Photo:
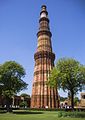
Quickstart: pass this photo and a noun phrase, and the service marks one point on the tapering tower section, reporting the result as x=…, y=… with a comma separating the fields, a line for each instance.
x=42, y=95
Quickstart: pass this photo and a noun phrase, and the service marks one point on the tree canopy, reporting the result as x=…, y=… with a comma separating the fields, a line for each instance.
x=25, y=95
x=11, y=76
x=69, y=75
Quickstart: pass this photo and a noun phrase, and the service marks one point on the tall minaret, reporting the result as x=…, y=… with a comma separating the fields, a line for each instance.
x=42, y=95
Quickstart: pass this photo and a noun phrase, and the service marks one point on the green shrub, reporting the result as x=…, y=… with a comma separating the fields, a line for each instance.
x=73, y=114
x=2, y=111
x=23, y=104
x=26, y=112
x=60, y=114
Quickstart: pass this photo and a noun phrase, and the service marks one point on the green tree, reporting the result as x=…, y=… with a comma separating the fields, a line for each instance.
x=62, y=98
x=11, y=74
x=25, y=95
x=23, y=104
x=1, y=86
x=76, y=100
x=69, y=75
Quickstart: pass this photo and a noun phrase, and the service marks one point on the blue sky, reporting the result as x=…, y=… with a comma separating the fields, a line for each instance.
x=19, y=25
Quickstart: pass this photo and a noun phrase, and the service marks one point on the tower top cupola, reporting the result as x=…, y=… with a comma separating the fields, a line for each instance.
x=43, y=12
x=44, y=22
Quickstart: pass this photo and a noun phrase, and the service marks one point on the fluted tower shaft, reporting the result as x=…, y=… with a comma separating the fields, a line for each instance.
x=42, y=95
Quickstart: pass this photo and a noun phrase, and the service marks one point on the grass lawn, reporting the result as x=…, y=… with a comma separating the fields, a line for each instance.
x=45, y=115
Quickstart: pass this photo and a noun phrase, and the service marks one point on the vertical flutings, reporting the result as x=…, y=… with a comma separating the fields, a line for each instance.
x=42, y=95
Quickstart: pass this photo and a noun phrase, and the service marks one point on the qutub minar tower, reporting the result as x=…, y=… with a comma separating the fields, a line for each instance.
x=42, y=95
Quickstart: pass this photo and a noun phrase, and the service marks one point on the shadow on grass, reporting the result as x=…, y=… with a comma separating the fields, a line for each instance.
x=2, y=112
x=27, y=112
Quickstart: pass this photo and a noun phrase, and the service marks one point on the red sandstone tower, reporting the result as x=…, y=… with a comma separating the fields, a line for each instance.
x=42, y=95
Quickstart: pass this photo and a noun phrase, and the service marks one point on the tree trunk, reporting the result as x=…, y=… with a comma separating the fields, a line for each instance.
x=57, y=99
x=72, y=100
x=8, y=103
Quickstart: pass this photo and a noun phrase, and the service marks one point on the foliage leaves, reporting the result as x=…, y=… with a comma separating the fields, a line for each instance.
x=69, y=75
x=25, y=95
x=11, y=74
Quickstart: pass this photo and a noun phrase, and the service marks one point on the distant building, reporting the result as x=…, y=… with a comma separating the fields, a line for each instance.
x=66, y=103
x=79, y=104
x=82, y=100
x=15, y=101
